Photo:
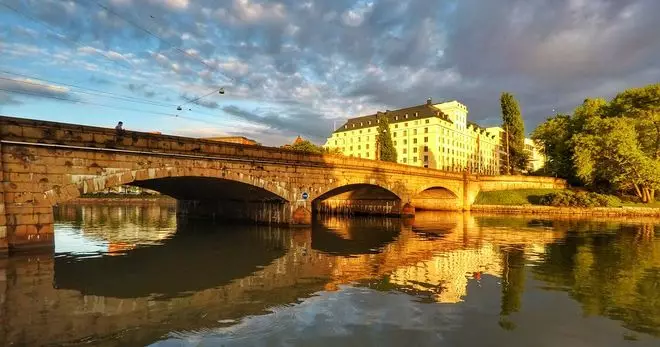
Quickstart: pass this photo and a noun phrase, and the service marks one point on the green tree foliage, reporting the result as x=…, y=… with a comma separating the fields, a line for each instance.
x=512, y=121
x=608, y=146
x=554, y=136
x=308, y=147
x=386, y=149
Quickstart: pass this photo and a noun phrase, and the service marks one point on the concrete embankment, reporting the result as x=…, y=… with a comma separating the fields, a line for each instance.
x=577, y=211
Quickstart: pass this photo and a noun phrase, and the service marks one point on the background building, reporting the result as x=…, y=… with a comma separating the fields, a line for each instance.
x=431, y=135
x=536, y=157
x=234, y=139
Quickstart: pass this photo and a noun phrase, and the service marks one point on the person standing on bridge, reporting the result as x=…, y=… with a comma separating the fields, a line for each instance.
x=120, y=126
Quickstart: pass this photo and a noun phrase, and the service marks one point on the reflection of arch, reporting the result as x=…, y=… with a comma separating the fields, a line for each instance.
x=355, y=235
x=180, y=265
x=436, y=198
x=167, y=178
x=358, y=199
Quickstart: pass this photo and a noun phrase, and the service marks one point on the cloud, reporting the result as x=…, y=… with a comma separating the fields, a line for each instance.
x=311, y=62
x=24, y=87
x=295, y=121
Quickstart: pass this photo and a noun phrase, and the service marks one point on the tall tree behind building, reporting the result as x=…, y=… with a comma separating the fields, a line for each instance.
x=386, y=150
x=513, y=123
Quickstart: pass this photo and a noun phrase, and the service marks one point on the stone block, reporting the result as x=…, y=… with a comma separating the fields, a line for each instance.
x=18, y=230
x=45, y=218
x=26, y=219
x=46, y=229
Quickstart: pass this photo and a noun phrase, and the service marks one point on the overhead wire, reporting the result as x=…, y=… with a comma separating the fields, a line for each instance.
x=88, y=91
x=107, y=106
x=58, y=34
x=162, y=40
x=109, y=94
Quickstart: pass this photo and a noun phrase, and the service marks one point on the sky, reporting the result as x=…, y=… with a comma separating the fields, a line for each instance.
x=302, y=67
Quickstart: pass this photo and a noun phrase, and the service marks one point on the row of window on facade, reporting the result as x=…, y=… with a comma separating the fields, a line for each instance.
x=396, y=118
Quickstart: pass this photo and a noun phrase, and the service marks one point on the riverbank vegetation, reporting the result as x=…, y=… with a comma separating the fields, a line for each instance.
x=610, y=147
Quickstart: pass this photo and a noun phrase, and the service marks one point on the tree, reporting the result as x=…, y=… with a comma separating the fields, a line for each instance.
x=308, y=147
x=643, y=106
x=515, y=131
x=385, y=146
x=608, y=151
x=554, y=136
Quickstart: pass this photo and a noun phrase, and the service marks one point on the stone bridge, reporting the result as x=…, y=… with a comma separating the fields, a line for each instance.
x=47, y=163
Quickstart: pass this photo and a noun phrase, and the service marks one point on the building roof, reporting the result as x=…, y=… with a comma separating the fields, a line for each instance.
x=396, y=116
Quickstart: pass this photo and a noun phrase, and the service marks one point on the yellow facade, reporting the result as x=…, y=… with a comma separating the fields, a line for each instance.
x=430, y=135
x=536, y=157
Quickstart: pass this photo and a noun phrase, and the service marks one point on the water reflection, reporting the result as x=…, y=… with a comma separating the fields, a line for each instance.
x=127, y=276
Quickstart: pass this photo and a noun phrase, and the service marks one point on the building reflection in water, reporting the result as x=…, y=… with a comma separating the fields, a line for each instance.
x=196, y=277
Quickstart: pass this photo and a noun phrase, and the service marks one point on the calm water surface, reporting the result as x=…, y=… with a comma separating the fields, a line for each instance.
x=129, y=276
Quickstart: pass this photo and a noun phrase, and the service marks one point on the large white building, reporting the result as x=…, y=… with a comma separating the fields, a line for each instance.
x=430, y=135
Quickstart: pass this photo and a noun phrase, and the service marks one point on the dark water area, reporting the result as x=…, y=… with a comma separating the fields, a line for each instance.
x=130, y=276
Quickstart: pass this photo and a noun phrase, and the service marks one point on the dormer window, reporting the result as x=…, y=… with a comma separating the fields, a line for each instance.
x=416, y=114
x=369, y=122
x=396, y=117
x=406, y=116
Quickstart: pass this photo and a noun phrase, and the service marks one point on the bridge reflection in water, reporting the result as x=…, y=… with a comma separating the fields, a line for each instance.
x=130, y=276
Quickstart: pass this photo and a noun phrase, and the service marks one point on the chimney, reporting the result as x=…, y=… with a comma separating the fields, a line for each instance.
x=429, y=101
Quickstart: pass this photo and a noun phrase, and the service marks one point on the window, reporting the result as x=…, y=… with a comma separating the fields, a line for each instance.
x=414, y=140
x=396, y=117
x=405, y=124
x=366, y=155
x=414, y=159
x=427, y=121
x=369, y=130
x=359, y=147
x=405, y=151
x=426, y=139
x=369, y=122
x=405, y=160
x=426, y=165
x=359, y=139
x=405, y=142
x=335, y=142
x=367, y=146
x=394, y=134
x=426, y=158
x=426, y=130
x=396, y=126
x=416, y=114
x=414, y=149
x=415, y=132
x=395, y=143
x=360, y=131
x=405, y=133
x=351, y=148
x=426, y=148
x=406, y=116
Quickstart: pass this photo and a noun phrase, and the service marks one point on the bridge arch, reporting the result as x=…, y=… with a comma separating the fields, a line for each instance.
x=176, y=182
x=358, y=198
x=437, y=198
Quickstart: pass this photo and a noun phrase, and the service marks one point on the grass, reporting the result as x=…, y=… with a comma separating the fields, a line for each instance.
x=655, y=204
x=513, y=197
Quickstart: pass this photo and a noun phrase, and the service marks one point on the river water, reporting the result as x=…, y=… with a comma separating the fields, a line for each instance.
x=129, y=276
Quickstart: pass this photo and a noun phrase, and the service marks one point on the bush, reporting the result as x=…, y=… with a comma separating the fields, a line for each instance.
x=569, y=198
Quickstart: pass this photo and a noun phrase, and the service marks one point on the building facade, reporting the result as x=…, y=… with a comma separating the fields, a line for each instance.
x=430, y=135
x=536, y=156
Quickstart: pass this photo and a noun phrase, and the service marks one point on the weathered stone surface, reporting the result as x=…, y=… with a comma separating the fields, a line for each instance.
x=258, y=183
